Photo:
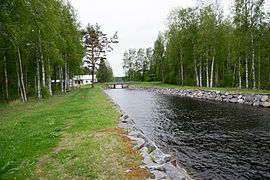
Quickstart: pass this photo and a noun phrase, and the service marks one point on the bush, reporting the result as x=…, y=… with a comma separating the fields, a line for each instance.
x=45, y=92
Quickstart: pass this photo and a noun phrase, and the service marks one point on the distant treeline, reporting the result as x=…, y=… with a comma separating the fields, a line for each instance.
x=40, y=40
x=202, y=47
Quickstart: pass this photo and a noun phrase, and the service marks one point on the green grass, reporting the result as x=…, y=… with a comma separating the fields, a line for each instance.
x=159, y=84
x=72, y=136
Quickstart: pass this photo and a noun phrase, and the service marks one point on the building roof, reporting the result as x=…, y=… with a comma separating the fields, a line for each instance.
x=84, y=77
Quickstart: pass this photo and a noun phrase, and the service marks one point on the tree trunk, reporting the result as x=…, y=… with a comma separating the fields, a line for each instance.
x=21, y=71
x=259, y=71
x=234, y=73
x=72, y=81
x=93, y=73
x=42, y=61
x=61, y=78
x=55, y=78
x=93, y=68
x=196, y=71
x=207, y=70
x=35, y=81
x=201, y=84
x=6, y=75
x=19, y=82
x=179, y=74
x=78, y=76
x=182, y=73
x=216, y=76
x=212, y=71
x=253, y=63
x=66, y=81
x=213, y=58
x=163, y=76
x=38, y=75
x=182, y=68
x=239, y=72
x=247, y=83
x=49, y=78
x=26, y=79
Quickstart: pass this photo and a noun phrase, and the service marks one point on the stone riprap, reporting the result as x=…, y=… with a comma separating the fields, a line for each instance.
x=154, y=160
x=254, y=99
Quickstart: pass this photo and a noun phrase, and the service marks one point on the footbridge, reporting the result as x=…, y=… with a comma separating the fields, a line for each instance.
x=113, y=85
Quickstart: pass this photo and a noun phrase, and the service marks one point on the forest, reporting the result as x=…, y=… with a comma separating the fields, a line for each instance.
x=40, y=42
x=203, y=47
x=42, y=47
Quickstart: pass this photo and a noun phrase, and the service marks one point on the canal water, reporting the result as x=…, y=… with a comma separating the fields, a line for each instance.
x=211, y=140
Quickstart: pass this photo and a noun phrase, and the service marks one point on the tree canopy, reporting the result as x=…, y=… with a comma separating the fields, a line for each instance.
x=38, y=39
x=203, y=47
x=96, y=44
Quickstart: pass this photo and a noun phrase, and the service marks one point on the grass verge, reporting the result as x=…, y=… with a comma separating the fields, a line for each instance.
x=160, y=84
x=72, y=136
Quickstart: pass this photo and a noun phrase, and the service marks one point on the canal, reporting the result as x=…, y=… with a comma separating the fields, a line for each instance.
x=211, y=140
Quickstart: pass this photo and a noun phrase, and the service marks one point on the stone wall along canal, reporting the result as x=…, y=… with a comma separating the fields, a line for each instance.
x=212, y=140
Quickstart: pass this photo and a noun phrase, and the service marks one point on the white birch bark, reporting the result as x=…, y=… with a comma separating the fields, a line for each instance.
x=66, y=82
x=207, y=70
x=247, y=83
x=42, y=61
x=38, y=76
x=212, y=71
x=19, y=82
x=49, y=78
x=21, y=71
x=239, y=72
x=195, y=65
x=253, y=63
x=201, y=84
x=196, y=71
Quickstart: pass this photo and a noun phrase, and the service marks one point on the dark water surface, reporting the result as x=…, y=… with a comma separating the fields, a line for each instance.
x=211, y=140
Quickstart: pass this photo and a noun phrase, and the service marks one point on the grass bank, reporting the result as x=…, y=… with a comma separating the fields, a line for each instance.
x=159, y=84
x=71, y=136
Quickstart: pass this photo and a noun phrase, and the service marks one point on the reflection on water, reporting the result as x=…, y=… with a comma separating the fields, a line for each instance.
x=212, y=140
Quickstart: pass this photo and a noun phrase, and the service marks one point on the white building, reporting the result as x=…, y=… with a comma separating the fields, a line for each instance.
x=83, y=79
x=78, y=80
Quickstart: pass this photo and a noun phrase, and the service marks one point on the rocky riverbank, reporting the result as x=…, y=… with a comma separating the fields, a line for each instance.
x=162, y=165
x=254, y=99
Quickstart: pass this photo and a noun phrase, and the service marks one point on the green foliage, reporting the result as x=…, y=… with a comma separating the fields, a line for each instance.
x=96, y=44
x=45, y=92
x=160, y=84
x=104, y=72
x=202, y=47
x=136, y=64
x=43, y=29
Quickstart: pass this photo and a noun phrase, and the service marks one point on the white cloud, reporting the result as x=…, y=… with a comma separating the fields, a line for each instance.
x=137, y=22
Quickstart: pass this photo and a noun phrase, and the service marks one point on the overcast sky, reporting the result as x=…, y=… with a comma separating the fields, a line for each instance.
x=138, y=22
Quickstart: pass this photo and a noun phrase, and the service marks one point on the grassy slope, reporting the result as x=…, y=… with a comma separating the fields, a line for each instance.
x=159, y=84
x=72, y=136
